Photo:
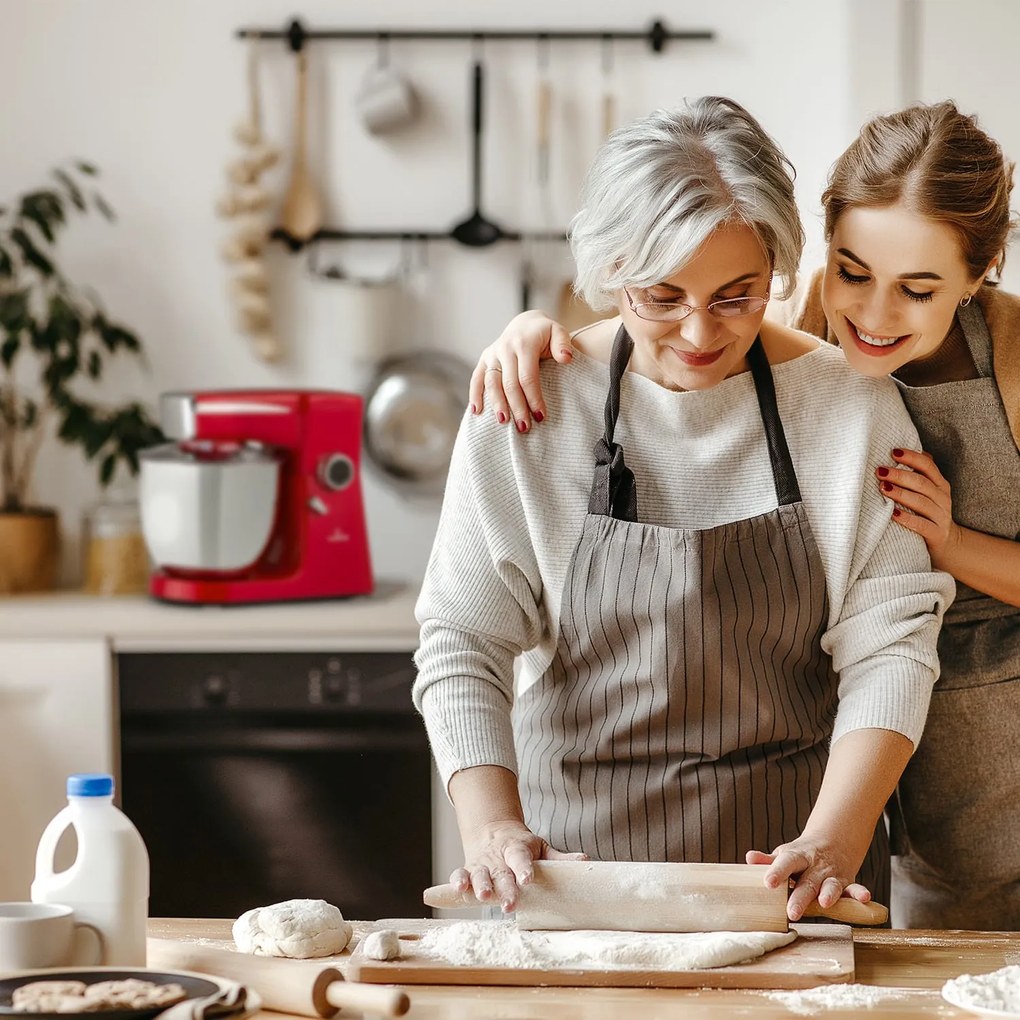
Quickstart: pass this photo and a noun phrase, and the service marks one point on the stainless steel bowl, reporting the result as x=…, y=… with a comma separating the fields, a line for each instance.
x=413, y=411
x=208, y=505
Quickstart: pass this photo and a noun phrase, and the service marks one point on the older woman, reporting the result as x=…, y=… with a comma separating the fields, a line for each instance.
x=724, y=644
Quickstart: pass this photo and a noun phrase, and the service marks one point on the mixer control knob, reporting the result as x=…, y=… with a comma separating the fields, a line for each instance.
x=336, y=471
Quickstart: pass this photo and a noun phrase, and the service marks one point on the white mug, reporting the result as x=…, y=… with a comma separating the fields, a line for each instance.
x=34, y=935
x=386, y=100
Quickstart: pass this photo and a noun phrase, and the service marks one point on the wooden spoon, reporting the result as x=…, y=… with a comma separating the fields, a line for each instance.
x=301, y=215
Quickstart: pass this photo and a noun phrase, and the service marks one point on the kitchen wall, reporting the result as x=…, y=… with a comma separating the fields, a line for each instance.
x=150, y=91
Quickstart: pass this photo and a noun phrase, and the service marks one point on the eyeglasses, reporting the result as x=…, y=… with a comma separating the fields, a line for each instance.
x=674, y=311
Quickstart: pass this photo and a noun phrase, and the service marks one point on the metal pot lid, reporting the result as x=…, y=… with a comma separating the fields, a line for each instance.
x=413, y=412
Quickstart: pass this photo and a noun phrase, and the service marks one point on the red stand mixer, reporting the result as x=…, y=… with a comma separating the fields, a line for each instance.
x=258, y=499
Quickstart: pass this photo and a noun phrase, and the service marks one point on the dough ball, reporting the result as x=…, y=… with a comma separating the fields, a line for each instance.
x=382, y=945
x=300, y=929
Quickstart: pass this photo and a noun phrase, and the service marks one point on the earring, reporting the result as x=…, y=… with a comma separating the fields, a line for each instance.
x=965, y=300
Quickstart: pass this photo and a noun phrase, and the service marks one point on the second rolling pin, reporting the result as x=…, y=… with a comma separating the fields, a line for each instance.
x=287, y=986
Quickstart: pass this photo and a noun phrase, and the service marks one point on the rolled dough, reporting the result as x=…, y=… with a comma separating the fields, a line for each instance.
x=502, y=944
x=300, y=929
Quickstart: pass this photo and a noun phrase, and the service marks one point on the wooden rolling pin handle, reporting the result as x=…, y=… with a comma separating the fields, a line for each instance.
x=286, y=986
x=378, y=1000
x=850, y=911
x=446, y=896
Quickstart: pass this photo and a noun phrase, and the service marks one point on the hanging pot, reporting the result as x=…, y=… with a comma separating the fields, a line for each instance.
x=413, y=410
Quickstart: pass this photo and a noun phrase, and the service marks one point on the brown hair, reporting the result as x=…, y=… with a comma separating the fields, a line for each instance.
x=940, y=164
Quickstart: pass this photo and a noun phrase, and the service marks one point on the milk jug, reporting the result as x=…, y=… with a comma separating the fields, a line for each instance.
x=108, y=883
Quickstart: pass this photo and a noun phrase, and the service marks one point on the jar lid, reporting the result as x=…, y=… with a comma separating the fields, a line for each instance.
x=89, y=784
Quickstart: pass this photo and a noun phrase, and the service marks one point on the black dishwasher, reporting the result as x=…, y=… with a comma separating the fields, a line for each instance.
x=260, y=777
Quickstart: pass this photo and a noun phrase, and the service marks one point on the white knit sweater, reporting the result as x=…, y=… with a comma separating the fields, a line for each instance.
x=514, y=506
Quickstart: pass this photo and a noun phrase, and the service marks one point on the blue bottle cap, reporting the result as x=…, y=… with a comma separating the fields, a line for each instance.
x=89, y=784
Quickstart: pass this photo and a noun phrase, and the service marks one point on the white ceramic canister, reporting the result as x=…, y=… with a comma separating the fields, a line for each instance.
x=107, y=886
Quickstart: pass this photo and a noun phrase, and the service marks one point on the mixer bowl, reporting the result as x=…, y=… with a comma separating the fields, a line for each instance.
x=208, y=505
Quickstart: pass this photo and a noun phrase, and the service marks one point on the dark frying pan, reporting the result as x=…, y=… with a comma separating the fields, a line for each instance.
x=413, y=410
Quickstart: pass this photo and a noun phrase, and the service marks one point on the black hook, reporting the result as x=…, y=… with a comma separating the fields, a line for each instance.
x=296, y=35
x=657, y=36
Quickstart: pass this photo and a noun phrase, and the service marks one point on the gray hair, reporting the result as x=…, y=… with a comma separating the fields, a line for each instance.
x=659, y=187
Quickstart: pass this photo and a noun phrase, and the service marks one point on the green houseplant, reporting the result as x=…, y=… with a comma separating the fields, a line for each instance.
x=55, y=338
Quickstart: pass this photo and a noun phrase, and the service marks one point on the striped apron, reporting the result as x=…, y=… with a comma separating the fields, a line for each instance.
x=688, y=708
x=956, y=821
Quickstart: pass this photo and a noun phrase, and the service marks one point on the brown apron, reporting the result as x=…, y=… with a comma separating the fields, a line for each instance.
x=687, y=711
x=956, y=819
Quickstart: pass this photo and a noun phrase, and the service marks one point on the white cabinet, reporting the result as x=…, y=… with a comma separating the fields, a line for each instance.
x=56, y=717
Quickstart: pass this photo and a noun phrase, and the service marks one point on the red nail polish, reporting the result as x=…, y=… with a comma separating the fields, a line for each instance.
x=522, y=426
x=501, y=418
x=538, y=416
x=474, y=410
x=887, y=486
x=897, y=453
x=896, y=511
x=883, y=472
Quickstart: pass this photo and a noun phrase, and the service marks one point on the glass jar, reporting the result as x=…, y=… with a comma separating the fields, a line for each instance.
x=115, y=558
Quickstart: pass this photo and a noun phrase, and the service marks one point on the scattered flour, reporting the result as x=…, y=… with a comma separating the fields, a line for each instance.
x=998, y=991
x=502, y=944
x=812, y=1001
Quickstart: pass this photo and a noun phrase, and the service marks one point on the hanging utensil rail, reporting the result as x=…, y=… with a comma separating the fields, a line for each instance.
x=656, y=35
x=296, y=35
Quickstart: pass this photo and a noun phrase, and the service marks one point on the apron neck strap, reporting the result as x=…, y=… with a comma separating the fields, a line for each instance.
x=613, y=492
x=783, y=474
x=975, y=332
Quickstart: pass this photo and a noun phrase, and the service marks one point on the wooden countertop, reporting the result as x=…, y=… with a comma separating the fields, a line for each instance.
x=910, y=965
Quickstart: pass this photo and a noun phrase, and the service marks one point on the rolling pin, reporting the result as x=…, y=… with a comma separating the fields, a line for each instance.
x=638, y=896
x=287, y=986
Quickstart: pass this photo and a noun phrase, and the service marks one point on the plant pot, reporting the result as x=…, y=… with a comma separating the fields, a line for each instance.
x=29, y=551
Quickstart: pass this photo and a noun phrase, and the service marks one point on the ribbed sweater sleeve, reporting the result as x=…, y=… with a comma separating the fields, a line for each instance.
x=479, y=606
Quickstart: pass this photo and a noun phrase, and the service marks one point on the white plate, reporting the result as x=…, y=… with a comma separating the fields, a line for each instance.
x=952, y=994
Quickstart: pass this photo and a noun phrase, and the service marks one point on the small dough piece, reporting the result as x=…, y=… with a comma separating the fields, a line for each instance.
x=382, y=945
x=300, y=929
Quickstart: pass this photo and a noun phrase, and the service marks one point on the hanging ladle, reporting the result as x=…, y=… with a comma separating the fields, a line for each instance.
x=477, y=231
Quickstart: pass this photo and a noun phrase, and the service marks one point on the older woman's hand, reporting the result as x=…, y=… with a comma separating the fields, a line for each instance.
x=498, y=860
x=507, y=371
x=819, y=872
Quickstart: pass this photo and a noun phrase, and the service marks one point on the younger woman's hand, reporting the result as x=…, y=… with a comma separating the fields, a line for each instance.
x=498, y=860
x=925, y=493
x=507, y=371
x=818, y=872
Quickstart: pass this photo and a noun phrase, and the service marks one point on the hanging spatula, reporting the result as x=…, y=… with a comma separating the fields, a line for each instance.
x=630, y=896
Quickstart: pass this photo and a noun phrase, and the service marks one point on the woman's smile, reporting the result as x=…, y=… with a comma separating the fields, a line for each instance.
x=875, y=344
x=697, y=359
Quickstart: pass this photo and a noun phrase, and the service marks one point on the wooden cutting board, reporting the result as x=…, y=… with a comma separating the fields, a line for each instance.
x=822, y=954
